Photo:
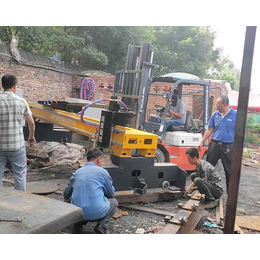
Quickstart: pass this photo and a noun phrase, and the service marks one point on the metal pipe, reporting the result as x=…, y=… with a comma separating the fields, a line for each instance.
x=242, y=107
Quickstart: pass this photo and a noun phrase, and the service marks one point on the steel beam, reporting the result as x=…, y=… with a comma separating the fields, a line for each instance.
x=242, y=107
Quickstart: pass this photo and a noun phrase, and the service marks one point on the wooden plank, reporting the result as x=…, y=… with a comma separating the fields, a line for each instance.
x=237, y=230
x=7, y=181
x=119, y=213
x=218, y=221
x=220, y=213
x=190, y=203
x=192, y=222
x=249, y=222
x=155, y=211
x=171, y=229
x=128, y=196
x=196, y=196
x=182, y=213
x=196, y=232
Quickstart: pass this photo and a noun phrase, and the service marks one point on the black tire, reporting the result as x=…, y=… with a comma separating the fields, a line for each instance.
x=159, y=156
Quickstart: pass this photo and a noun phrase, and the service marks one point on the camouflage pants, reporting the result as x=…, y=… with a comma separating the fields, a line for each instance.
x=211, y=192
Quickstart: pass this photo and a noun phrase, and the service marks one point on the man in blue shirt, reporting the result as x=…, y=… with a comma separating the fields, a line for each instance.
x=91, y=188
x=222, y=128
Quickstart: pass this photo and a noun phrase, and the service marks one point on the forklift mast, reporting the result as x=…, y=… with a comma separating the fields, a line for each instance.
x=133, y=83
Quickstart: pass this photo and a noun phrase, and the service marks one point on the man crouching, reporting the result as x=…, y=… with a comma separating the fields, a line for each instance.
x=91, y=188
x=205, y=179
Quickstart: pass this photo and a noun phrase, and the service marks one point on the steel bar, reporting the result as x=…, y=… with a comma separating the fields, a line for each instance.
x=242, y=107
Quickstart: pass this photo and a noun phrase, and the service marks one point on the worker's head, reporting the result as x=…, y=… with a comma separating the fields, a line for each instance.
x=222, y=103
x=96, y=156
x=9, y=82
x=175, y=97
x=193, y=155
x=175, y=92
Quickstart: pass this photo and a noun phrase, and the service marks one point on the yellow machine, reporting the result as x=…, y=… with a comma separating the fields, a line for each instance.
x=132, y=150
x=123, y=140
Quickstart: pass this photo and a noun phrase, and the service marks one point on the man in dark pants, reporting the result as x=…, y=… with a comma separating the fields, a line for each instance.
x=222, y=128
x=91, y=188
x=205, y=179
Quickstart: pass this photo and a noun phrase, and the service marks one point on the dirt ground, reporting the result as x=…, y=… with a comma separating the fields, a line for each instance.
x=248, y=203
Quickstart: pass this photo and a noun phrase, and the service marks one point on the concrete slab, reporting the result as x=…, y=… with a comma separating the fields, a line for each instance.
x=39, y=215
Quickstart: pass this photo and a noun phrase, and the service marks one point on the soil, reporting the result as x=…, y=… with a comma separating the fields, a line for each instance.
x=248, y=202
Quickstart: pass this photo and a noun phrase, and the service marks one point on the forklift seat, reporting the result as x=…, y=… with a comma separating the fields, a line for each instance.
x=187, y=127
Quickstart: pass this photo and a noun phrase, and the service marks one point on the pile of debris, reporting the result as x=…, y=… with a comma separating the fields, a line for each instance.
x=44, y=154
x=251, y=155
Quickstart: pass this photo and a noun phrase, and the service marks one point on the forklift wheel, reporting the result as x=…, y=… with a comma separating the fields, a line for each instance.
x=165, y=185
x=159, y=156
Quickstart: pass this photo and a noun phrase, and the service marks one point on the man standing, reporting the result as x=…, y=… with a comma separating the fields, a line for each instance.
x=13, y=111
x=90, y=188
x=177, y=112
x=222, y=128
x=205, y=179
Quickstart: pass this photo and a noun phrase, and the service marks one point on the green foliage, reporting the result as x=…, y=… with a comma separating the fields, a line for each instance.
x=255, y=127
x=224, y=69
x=176, y=48
x=253, y=138
x=184, y=49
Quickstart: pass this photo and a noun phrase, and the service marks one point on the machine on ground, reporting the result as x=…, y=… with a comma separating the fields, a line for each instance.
x=132, y=150
x=139, y=160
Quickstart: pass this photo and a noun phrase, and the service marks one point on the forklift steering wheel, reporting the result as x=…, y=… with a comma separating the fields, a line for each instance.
x=159, y=106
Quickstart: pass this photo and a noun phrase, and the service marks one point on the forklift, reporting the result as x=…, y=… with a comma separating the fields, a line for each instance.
x=174, y=142
x=133, y=86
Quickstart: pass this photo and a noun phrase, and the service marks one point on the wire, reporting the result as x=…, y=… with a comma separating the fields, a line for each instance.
x=82, y=112
x=87, y=88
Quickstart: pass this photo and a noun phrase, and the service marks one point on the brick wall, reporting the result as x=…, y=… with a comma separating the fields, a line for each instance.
x=194, y=101
x=38, y=83
x=100, y=93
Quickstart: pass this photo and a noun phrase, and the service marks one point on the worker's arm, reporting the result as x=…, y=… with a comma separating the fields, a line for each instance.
x=109, y=190
x=172, y=113
x=189, y=189
x=31, y=125
x=69, y=189
x=206, y=135
x=180, y=110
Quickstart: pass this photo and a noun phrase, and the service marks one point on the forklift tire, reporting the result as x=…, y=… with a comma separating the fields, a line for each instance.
x=159, y=156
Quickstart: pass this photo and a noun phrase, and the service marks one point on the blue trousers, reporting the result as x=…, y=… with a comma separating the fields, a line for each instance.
x=102, y=223
x=19, y=165
x=172, y=122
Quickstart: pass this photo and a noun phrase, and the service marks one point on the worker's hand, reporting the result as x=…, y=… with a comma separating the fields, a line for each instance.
x=188, y=189
x=31, y=140
x=194, y=188
x=200, y=146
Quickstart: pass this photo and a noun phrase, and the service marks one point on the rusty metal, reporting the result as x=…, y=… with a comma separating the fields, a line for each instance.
x=10, y=220
x=242, y=107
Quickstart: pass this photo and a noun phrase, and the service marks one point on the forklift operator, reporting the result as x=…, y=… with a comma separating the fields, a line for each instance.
x=177, y=112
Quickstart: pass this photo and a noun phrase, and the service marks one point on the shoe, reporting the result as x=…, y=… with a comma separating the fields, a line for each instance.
x=213, y=204
x=100, y=230
x=77, y=229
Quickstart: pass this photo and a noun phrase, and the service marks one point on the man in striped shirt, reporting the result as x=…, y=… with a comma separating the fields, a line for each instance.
x=13, y=111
